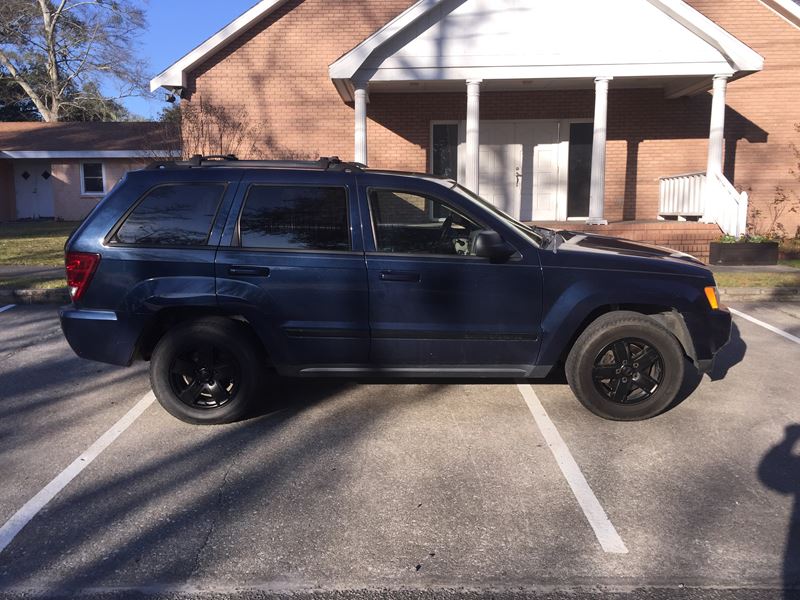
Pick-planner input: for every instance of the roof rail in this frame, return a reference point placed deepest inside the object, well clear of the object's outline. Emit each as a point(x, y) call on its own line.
point(332, 163)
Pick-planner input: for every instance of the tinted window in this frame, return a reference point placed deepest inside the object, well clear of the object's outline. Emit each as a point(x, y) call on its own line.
point(410, 223)
point(445, 150)
point(180, 214)
point(305, 218)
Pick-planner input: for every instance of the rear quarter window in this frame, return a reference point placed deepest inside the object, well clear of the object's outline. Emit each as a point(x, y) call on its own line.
point(179, 214)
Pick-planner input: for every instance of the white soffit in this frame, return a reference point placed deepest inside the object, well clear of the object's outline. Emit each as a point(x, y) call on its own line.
point(174, 76)
point(506, 39)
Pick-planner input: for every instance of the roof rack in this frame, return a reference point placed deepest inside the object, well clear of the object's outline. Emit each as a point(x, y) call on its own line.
point(332, 163)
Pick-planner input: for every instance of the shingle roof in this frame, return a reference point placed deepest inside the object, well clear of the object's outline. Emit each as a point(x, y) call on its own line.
point(87, 136)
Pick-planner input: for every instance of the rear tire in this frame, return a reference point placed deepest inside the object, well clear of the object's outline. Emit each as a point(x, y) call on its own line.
point(626, 367)
point(207, 371)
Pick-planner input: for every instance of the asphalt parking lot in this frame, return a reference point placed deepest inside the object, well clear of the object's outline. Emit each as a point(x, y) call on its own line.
point(379, 489)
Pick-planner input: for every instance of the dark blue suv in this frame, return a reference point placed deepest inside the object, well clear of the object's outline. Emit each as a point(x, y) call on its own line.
point(219, 271)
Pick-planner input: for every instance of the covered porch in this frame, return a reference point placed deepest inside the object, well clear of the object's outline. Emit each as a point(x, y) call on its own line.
point(554, 168)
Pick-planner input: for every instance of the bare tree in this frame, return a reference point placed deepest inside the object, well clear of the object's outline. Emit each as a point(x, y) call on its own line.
point(59, 52)
point(206, 128)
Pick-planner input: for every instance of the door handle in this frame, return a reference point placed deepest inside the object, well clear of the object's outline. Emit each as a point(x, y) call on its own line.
point(407, 276)
point(248, 271)
point(518, 176)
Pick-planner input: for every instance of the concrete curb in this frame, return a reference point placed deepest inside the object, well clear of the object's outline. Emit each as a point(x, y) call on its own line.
point(762, 294)
point(54, 296)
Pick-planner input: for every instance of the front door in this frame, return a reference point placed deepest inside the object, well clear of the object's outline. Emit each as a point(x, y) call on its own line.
point(525, 166)
point(434, 305)
point(547, 190)
point(501, 164)
point(34, 189)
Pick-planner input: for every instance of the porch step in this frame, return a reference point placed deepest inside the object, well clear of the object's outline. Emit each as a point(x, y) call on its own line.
point(685, 236)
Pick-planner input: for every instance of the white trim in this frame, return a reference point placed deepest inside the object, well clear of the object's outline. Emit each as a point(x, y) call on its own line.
point(174, 76)
point(786, 9)
point(83, 180)
point(345, 68)
point(738, 56)
point(45, 154)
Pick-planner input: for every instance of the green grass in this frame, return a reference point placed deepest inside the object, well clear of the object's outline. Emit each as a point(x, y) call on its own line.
point(755, 279)
point(31, 283)
point(34, 243)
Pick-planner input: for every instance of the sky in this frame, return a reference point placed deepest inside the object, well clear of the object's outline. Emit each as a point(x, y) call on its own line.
point(174, 28)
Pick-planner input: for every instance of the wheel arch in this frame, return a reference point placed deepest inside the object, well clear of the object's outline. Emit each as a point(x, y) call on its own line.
point(666, 316)
point(166, 318)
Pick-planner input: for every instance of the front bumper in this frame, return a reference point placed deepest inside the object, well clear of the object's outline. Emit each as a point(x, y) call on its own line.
point(100, 334)
point(709, 333)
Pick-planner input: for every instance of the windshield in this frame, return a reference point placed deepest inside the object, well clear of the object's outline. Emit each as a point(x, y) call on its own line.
point(540, 235)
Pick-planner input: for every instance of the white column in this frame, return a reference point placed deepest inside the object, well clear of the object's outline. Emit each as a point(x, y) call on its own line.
point(361, 98)
point(473, 162)
point(597, 189)
point(716, 135)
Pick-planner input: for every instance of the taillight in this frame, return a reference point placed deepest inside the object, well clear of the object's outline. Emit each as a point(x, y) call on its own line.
point(80, 268)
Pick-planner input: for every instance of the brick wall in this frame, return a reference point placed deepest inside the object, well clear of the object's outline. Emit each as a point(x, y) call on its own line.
point(278, 74)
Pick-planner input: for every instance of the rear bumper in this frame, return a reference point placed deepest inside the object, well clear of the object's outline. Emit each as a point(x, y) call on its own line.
point(100, 335)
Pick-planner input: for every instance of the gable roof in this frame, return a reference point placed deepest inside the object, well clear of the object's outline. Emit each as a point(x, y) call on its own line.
point(79, 139)
point(436, 40)
point(174, 76)
point(739, 56)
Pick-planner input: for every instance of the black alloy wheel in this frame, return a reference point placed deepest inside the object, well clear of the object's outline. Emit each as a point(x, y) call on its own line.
point(207, 377)
point(626, 366)
point(628, 371)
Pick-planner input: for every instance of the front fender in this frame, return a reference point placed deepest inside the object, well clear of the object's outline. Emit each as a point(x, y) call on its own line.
point(571, 296)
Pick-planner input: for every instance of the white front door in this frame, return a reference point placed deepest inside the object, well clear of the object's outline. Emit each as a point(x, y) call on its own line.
point(524, 167)
point(34, 189)
point(547, 192)
point(501, 156)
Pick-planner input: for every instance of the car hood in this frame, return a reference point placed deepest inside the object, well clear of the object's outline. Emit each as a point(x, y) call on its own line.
point(589, 243)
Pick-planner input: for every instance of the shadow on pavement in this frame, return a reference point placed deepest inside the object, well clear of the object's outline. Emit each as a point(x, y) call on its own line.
point(729, 356)
point(780, 471)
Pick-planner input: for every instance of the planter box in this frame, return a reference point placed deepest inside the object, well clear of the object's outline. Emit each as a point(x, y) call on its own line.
point(743, 253)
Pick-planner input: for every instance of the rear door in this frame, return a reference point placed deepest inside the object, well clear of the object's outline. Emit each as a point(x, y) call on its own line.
point(292, 263)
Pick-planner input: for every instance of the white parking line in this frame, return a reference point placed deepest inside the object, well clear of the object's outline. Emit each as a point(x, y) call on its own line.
point(24, 515)
point(603, 528)
point(772, 328)
point(7, 307)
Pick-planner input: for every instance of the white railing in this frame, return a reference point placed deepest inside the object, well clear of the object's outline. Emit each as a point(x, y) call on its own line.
point(710, 199)
point(682, 196)
point(725, 205)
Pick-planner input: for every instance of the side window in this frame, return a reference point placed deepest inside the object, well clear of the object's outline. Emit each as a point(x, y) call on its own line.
point(92, 178)
point(410, 223)
point(179, 214)
point(295, 217)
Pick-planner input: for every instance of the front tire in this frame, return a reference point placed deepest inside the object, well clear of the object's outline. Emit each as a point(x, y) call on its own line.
point(626, 367)
point(207, 371)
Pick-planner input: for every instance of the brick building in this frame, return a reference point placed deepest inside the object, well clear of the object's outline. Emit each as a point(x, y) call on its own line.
point(654, 119)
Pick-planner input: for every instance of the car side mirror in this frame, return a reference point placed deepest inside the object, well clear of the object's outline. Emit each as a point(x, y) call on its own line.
point(489, 244)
